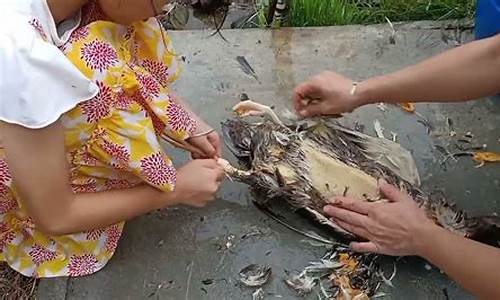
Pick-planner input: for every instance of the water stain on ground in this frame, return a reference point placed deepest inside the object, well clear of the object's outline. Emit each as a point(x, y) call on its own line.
point(282, 42)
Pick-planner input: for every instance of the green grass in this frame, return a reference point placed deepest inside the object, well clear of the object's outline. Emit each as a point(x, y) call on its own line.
point(344, 12)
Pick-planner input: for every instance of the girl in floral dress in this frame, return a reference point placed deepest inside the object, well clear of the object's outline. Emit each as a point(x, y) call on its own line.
point(84, 103)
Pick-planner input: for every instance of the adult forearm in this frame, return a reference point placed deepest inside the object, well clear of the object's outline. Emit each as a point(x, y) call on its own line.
point(464, 73)
point(473, 265)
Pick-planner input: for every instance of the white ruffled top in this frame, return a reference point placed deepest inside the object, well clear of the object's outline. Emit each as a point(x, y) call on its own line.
point(37, 82)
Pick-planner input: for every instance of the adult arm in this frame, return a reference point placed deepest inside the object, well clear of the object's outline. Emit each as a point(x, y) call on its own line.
point(399, 227)
point(463, 73)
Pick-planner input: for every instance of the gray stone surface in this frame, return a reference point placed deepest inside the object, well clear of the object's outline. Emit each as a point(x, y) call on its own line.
point(166, 255)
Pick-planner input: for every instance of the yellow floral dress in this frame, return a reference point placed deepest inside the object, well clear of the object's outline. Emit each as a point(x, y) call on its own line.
point(112, 141)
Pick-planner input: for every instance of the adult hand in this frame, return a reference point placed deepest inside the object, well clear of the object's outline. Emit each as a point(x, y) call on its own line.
point(328, 93)
point(197, 182)
point(397, 227)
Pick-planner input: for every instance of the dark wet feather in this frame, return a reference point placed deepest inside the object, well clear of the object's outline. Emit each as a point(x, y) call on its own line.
point(246, 67)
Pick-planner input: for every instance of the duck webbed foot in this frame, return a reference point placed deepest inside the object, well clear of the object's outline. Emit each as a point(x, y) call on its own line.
point(250, 108)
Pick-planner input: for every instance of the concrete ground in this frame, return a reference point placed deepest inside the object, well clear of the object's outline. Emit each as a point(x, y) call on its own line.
point(170, 254)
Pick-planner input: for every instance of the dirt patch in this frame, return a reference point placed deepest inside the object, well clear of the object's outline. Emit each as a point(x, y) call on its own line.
point(14, 286)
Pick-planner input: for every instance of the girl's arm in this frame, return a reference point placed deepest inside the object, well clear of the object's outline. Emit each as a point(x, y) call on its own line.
point(37, 160)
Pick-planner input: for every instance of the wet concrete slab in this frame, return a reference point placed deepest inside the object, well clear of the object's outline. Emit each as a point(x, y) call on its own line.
point(185, 253)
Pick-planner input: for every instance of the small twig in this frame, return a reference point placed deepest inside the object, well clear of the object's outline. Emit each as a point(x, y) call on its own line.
point(219, 27)
point(183, 145)
point(392, 38)
point(191, 265)
point(32, 292)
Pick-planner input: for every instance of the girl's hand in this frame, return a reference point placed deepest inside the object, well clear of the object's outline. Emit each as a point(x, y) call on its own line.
point(210, 144)
point(205, 140)
point(197, 182)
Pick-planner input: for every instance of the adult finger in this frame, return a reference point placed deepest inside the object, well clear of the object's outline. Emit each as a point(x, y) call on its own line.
point(353, 204)
point(312, 110)
point(365, 247)
point(347, 216)
point(309, 89)
point(391, 192)
point(357, 230)
point(304, 91)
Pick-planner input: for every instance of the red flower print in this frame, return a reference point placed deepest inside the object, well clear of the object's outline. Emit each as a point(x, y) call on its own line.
point(157, 171)
point(179, 119)
point(40, 254)
point(123, 101)
point(79, 34)
point(98, 107)
point(158, 69)
point(118, 184)
point(134, 51)
point(6, 235)
point(89, 187)
point(129, 33)
point(114, 232)
point(149, 86)
point(95, 234)
point(117, 152)
point(38, 27)
point(99, 55)
point(81, 265)
point(27, 233)
point(64, 48)
point(6, 203)
point(158, 124)
point(88, 159)
point(5, 176)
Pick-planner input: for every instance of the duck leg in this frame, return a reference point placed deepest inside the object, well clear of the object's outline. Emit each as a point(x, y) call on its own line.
point(232, 171)
point(250, 108)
